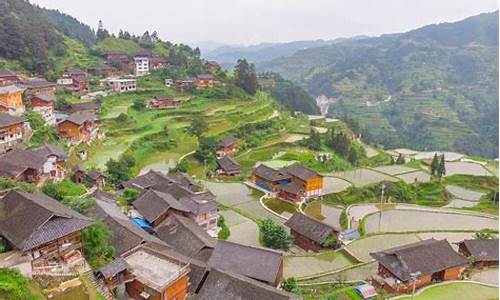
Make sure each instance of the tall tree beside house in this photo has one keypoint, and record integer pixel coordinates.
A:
(119, 170)
(353, 156)
(96, 245)
(206, 151)
(274, 235)
(434, 164)
(246, 77)
(441, 170)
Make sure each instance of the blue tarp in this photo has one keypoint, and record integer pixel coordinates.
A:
(141, 222)
(349, 234)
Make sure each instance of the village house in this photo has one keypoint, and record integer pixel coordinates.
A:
(115, 57)
(311, 234)
(44, 105)
(200, 203)
(11, 100)
(156, 275)
(227, 166)
(103, 70)
(84, 107)
(169, 82)
(122, 85)
(7, 77)
(157, 63)
(35, 86)
(92, 178)
(185, 85)
(34, 165)
(75, 81)
(268, 178)
(310, 181)
(261, 264)
(213, 66)
(13, 130)
(114, 274)
(221, 284)
(186, 237)
(484, 253)
(79, 128)
(141, 65)
(164, 102)
(204, 81)
(43, 229)
(417, 264)
(227, 146)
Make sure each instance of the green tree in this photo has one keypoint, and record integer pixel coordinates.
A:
(128, 196)
(198, 127)
(36, 120)
(290, 285)
(96, 245)
(484, 234)
(314, 142)
(400, 160)
(119, 170)
(14, 286)
(353, 156)
(434, 164)
(274, 235)
(206, 150)
(139, 104)
(224, 232)
(245, 76)
(441, 170)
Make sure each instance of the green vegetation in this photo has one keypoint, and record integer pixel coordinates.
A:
(13, 286)
(224, 232)
(96, 247)
(280, 206)
(436, 93)
(245, 76)
(290, 285)
(458, 290)
(8, 184)
(274, 235)
(485, 234)
(128, 196)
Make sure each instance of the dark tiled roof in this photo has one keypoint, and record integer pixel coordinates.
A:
(126, 235)
(79, 119)
(102, 67)
(226, 285)
(8, 120)
(36, 83)
(309, 227)
(300, 171)
(17, 160)
(228, 164)
(186, 181)
(205, 77)
(45, 97)
(95, 174)
(257, 263)
(30, 220)
(427, 257)
(103, 196)
(185, 236)
(163, 97)
(152, 204)
(116, 266)
(482, 250)
(269, 173)
(291, 188)
(84, 106)
(227, 141)
(47, 150)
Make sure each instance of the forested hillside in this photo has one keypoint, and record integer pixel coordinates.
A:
(70, 26)
(430, 88)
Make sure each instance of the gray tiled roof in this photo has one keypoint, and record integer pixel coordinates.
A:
(269, 173)
(309, 227)
(257, 263)
(8, 120)
(227, 141)
(228, 164)
(29, 220)
(116, 266)
(185, 236)
(300, 171)
(427, 257)
(227, 285)
(152, 204)
(482, 250)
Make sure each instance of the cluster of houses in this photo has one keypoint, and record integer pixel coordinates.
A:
(141, 63)
(191, 83)
(164, 246)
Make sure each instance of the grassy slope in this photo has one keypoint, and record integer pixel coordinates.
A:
(464, 291)
(108, 44)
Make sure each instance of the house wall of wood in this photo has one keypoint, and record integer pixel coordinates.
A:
(304, 243)
(14, 100)
(57, 250)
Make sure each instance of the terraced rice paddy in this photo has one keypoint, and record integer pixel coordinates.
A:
(448, 156)
(327, 214)
(417, 176)
(334, 185)
(454, 168)
(281, 207)
(243, 230)
(361, 248)
(413, 220)
(457, 290)
(394, 169)
(302, 266)
(361, 177)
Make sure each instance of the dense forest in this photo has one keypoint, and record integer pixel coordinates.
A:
(431, 88)
(70, 26)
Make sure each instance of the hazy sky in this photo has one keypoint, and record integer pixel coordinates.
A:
(255, 21)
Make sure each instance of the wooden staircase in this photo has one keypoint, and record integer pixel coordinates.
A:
(99, 285)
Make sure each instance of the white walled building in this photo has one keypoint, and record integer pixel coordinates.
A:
(141, 65)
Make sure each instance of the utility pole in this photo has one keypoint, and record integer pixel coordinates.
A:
(382, 187)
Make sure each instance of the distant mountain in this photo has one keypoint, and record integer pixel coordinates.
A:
(228, 55)
(431, 88)
(70, 26)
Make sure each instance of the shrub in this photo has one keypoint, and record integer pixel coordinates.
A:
(274, 235)
(224, 232)
(96, 247)
(13, 286)
(290, 285)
